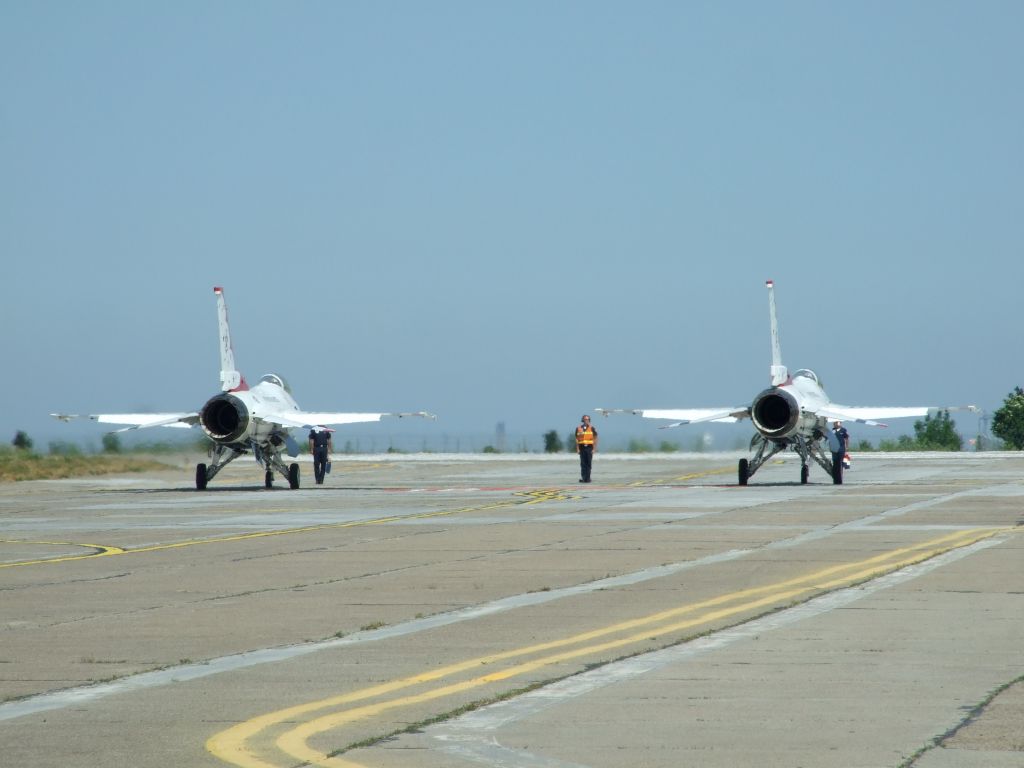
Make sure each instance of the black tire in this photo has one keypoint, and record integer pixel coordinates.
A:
(201, 477)
(269, 479)
(743, 471)
(293, 476)
(837, 473)
(805, 472)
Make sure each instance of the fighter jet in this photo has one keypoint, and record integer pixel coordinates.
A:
(794, 413)
(243, 419)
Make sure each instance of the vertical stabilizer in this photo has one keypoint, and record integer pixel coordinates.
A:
(779, 374)
(230, 379)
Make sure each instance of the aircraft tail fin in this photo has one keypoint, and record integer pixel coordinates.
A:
(779, 374)
(230, 378)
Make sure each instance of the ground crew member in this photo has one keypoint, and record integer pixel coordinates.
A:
(845, 437)
(837, 448)
(586, 447)
(321, 445)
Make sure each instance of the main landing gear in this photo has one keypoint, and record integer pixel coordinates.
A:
(809, 449)
(293, 477)
(763, 450)
(271, 460)
(223, 455)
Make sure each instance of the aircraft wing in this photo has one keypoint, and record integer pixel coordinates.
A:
(685, 415)
(308, 420)
(138, 420)
(866, 414)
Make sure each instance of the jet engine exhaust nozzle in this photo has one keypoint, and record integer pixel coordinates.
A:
(775, 413)
(224, 418)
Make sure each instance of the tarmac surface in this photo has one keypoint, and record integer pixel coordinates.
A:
(443, 611)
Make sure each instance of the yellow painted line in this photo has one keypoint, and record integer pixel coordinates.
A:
(522, 498)
(102, 550)
(231, 745)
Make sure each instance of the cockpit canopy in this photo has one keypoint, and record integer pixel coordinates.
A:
(807, 373)
(273, 378)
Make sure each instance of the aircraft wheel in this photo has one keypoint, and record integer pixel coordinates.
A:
(201, 477)
(805, 472)
(269, 479)
(744, 471)
(837, 473)
(293, 476)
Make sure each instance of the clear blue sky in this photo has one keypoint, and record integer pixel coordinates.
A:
(508, 212)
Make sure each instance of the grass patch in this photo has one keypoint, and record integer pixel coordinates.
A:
(25, 465)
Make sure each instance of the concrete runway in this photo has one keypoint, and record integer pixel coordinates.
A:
(448, 611)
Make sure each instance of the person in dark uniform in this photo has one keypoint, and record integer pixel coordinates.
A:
(840, 430)
(837, 448)
(586, 447)
(321, 446)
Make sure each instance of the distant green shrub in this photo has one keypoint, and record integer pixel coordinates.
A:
(1008, 420)
(552, 442)
(937, 434)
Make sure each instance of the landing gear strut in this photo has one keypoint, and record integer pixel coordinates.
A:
(812, 448)
(272, 462)
(222, 456)
(763, 450)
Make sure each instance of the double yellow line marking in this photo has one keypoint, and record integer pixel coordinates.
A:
(522, 498)
(292, 729)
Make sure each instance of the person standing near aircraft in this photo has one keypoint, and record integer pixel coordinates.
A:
(321, 445)
(845, 437)
(586, 447)
(837, 447)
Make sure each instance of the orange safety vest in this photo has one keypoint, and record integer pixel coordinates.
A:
(585, 435)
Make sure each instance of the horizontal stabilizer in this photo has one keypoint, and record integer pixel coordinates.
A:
(683, 415)
(146, 420)
(308, 420)
(870, 415)
(696, 415)
(138, 420)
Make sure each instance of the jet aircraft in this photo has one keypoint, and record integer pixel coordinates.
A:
(794, 412)
(242, 419)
